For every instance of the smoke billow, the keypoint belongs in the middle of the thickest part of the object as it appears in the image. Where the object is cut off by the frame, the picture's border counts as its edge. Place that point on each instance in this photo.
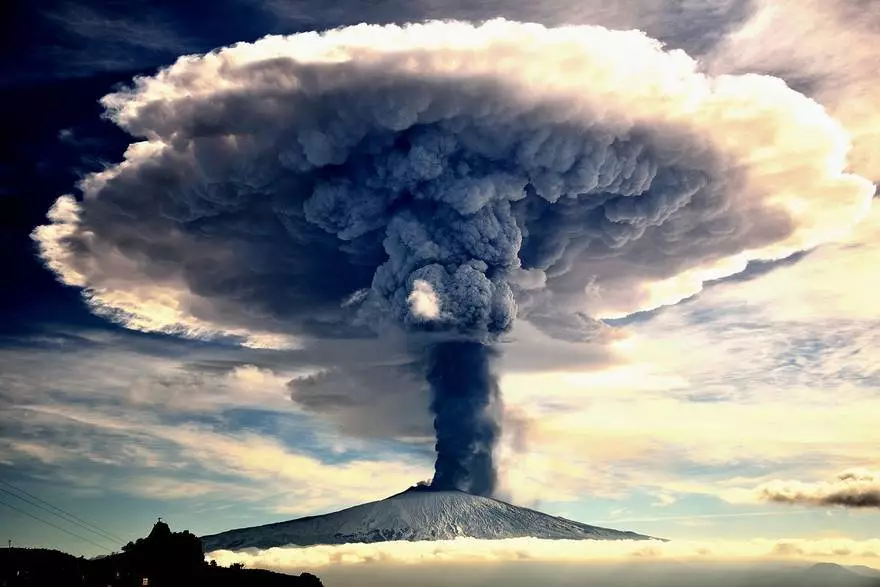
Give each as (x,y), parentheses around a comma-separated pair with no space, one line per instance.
(465,399)
(441,181)
(851,489)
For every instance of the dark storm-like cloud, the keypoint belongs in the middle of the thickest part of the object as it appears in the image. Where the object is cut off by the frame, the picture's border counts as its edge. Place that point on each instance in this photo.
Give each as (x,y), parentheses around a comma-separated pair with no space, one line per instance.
(433,184)
(851,489)
(257,177)
(848,499)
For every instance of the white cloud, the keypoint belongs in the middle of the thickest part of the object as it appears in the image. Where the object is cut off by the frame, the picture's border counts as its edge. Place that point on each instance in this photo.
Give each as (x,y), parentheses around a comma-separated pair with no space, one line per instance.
(836,64)
(423,300)
(467,550)
(834,282)
(664,500)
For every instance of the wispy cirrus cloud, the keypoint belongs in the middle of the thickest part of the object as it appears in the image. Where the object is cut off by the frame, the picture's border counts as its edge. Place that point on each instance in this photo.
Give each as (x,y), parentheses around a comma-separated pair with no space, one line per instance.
(163,461)
(173,421)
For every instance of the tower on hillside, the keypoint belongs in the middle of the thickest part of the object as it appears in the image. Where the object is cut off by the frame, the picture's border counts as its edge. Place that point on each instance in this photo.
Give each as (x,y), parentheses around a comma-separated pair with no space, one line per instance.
(160,531)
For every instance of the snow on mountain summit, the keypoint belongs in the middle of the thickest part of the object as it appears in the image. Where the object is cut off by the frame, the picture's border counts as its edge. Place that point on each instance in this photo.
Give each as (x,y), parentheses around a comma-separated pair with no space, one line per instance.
(415,514)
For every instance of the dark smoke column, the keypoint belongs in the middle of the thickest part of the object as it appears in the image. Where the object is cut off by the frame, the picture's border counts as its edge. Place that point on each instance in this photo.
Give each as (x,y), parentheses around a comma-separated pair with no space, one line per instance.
(465,402)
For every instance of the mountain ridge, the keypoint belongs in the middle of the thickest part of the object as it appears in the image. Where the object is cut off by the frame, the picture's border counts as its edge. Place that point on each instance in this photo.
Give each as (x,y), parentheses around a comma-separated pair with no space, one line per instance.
(416,514)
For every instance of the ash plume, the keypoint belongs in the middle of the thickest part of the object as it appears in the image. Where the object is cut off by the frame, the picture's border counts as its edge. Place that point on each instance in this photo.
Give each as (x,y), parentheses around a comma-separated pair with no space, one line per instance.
(436,182)
(465,401)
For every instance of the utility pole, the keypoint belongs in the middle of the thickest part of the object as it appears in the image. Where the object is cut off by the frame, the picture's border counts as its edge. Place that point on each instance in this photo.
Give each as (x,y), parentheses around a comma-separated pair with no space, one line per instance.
(10,543)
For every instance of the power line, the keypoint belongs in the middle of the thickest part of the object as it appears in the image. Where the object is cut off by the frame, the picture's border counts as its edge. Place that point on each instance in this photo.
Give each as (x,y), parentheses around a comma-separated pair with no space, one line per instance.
(67,516)
(9,505)
(47,510)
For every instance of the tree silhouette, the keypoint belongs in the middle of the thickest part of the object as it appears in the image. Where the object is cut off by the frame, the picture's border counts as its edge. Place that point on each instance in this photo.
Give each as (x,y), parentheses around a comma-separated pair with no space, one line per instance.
(164,559)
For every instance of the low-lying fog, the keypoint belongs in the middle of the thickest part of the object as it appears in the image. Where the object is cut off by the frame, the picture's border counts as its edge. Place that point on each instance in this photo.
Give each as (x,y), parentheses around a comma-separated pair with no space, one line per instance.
(530,562)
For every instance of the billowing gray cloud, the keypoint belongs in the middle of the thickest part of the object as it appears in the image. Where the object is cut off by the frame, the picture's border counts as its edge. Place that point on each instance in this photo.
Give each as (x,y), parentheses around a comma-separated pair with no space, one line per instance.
(440,181)
(301,185)
(371,401)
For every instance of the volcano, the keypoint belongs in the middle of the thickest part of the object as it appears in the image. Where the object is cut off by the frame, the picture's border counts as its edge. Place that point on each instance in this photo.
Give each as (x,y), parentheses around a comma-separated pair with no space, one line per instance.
(415,514)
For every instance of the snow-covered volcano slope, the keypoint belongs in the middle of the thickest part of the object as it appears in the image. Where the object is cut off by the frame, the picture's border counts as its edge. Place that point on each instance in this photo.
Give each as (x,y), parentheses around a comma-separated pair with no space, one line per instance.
(415,514)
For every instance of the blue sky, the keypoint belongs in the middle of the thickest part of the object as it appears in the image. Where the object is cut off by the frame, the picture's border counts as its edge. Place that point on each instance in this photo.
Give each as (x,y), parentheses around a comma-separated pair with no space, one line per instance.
(730,414)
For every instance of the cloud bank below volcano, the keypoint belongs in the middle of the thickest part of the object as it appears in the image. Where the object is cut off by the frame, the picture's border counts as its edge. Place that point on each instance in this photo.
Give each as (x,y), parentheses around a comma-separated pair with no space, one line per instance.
(470,550)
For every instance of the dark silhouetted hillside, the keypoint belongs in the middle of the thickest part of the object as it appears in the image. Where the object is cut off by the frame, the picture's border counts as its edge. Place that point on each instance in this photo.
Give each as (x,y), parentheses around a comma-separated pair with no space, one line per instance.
(162,559)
